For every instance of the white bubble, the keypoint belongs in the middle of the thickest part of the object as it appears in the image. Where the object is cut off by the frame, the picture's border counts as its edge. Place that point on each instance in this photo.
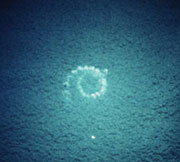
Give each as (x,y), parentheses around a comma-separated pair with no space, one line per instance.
(104,82)
(93,95)
(80,68)
(106,71)
(74,71)
(86,68)
(92,68)
(98,94)
(102,90)
(93,137)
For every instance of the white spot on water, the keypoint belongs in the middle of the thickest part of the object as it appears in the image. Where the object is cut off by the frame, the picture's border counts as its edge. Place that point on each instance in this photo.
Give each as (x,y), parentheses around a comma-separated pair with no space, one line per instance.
(93,137)
(74,71)
(106,71)
(85,67)
(80,68)
(93,95)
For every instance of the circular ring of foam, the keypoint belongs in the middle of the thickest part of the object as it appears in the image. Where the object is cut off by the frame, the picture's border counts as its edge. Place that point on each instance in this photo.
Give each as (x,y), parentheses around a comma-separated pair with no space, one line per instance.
(97,73)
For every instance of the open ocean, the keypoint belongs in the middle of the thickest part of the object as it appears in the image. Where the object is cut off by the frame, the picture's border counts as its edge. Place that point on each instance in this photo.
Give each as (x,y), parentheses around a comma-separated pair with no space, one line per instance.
(90,81)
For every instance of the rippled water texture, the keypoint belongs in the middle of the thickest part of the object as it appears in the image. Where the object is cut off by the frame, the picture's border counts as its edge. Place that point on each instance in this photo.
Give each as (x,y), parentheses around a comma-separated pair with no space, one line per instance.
(89,81)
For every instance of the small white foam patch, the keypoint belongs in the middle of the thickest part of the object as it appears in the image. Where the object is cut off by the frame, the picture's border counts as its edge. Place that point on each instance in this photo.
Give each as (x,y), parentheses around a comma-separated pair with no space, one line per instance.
(80,68)
(86,68)
(98,94)
(104,82)
(74,71)
(92,68)
(93,95)
(93,137)
(106,71)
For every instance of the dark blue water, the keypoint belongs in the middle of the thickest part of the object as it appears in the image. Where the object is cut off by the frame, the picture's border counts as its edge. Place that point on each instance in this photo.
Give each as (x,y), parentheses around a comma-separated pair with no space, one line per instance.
(45,115)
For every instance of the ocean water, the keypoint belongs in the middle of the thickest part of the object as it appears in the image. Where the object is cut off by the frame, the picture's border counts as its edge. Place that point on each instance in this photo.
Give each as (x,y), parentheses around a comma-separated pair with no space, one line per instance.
(89,81)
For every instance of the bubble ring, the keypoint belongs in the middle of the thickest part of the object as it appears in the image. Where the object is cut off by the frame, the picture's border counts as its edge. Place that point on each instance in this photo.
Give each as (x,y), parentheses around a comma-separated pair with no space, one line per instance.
(95,72)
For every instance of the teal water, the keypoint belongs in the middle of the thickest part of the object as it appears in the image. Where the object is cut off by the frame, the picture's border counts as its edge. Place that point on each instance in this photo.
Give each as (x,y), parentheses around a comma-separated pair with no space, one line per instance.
(43,113)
